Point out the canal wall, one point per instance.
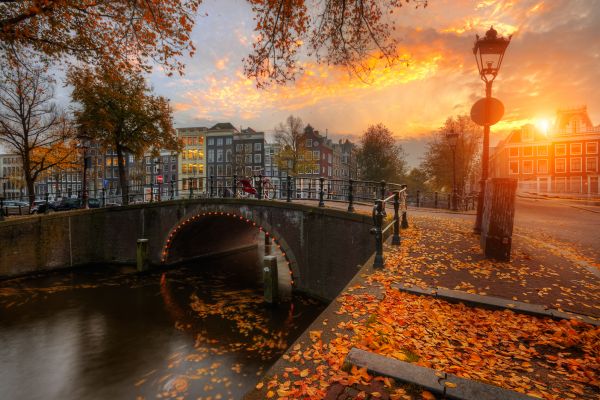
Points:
(322, 246)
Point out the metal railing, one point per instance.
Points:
(379, 214)
(442, 200)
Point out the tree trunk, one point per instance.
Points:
(122, 175)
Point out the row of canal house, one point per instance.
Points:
(562, 160)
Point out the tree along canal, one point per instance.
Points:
(195, 331)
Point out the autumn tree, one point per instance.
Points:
(293, 157)
(437, 162)
(125, 33)
(117, 110)
(354, 34)
(31, 125)
(379, 156)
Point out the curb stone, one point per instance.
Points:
(448, 385)
(495, 303)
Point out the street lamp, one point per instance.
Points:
(489, 53)
(159, 178)
(84, 144)
(452, 139)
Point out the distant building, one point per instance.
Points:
(192, 160)
(565, 160)
(249, 153)
(12, 179)
(320, 151)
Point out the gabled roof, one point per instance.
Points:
(222, 126)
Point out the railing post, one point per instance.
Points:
(234, 186)
(172, 194)
(212, 186)
(151, 192)
(259, 191)
(289, 189)
(404, 219)
(435, 200)
(46, 209)
(309, 189)
(321, 193)
(396, 237)
(103, 197)
(378, 232)
(350, 196)
(418, 200)
(382, 189)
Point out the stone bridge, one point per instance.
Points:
(322, 246)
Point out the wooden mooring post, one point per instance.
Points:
(498, 217)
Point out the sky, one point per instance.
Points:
(553, 61)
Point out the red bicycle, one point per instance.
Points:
(245, 188)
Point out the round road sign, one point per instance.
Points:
(495, 111)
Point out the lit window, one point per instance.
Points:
(308, 142)
(591, 147)
(560, 149)
(591, 164)
(560, 165)
(527, 166)
(576, 164)
(575, 149)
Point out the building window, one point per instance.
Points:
(575, 149)
(527, 151)
(591, 164)
(576, 164)
(211, 170)
(228, 140)
(542, 166)
(542, 150)
(239, 147)
(591, 147)
(316, 154)
(560, 165)
(308, 142)
(257, 158)
(316, 143)
(211, 155)
(219, 170)
(228, 170)
(238, 159)
(228, 156)
(184, 168)
(575, 184)
(248, 159)
(560, 149)
(211, 141)
(257, 146)
(513, 167)
(528, 166)
(219, 141)
(248, 147)
(220, 155)
(267, 159)
(514, 152)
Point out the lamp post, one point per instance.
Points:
(452, 138)
(159, 178)
(489, 52)
(84, 144)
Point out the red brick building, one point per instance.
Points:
(564, 160)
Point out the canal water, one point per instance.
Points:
(200, 330)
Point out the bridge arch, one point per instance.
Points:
(275, 239)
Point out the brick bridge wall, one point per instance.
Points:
(323, 246)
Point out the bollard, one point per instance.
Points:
(142, 255)
(382, 183)
(396, 237)
(350, 196)
(267, 244)
(270, 279)
(321, 202)
(404, 223)
(289, 189)
(378, 232)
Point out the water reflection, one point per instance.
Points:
(195, 331)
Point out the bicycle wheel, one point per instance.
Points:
(268, 190)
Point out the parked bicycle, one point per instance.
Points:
(245, 188)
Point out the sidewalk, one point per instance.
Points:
(545, 358)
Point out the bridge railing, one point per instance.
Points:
(398, 200)
(318, 189)
(442, 200)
